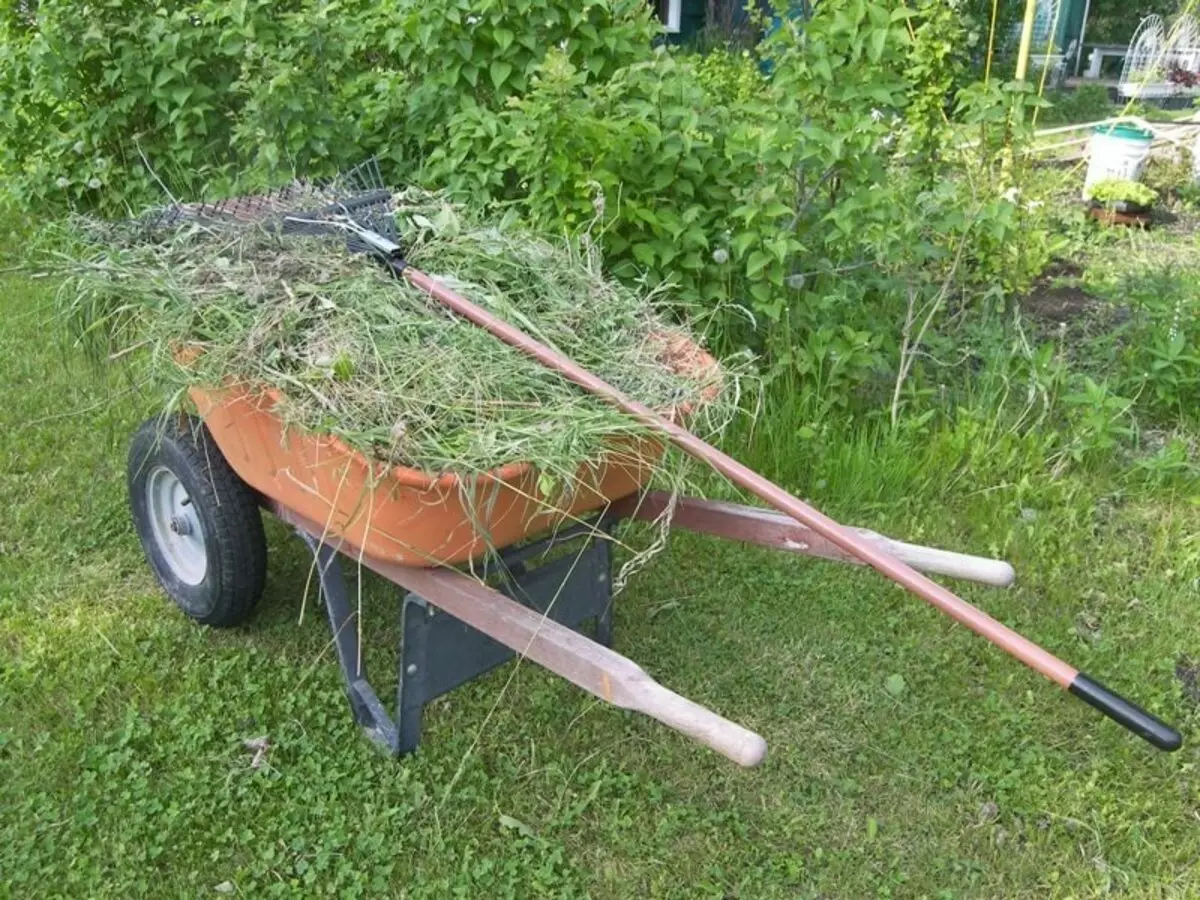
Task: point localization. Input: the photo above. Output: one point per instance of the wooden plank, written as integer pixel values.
(598, 670)
(768, 528)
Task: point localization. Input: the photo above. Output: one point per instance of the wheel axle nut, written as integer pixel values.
(180, 525)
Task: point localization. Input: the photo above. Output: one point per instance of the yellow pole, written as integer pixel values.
(1026, 39)
(987, 68)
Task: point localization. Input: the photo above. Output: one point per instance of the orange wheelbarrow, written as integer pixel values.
(197, 486)
(196, 491)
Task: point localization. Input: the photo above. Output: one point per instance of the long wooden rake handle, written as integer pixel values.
(1077, 683)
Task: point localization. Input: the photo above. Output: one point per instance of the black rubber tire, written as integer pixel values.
(234, 543)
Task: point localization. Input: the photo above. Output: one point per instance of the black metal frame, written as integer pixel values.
(439, 652)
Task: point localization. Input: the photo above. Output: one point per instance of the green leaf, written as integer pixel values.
(644, 253)
(547, 486)
(878, 41)
(895, 685)
(665, 251)
(508, 823)
(503, 38)
(661, 179)
(500, 70)
(765, 302)
(343, 368)
(757, 262)
(742, 242)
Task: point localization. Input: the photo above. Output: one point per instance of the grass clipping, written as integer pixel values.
(357, 354)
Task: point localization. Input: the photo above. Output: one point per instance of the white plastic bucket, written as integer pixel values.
(1117, 151)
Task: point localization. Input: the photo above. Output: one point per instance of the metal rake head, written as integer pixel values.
(355, 205)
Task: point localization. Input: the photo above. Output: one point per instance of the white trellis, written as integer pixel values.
(1044, 48)
(1154, 51)
(1045, 22)
(1184, 41)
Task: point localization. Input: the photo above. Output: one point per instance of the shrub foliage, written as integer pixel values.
(835, 198)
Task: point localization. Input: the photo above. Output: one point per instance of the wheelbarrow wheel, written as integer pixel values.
(198, 522)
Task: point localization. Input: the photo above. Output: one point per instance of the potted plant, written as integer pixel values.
(1121, 196)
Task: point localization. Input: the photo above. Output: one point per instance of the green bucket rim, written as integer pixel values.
(1125, 132)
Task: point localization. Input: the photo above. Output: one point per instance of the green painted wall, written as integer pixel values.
(691, 19)
(693, 14)
(1070, 18)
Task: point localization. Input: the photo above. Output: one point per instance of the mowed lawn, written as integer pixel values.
(908, 758)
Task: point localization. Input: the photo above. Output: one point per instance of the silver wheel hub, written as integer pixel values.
(176, 525)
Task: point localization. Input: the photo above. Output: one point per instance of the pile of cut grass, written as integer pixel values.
(360, 355)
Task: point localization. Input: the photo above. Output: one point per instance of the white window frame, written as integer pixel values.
(674, 16)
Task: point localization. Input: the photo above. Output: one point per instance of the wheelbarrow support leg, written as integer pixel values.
(535, 635)
(596, 669)
(368, 711)
(438, 651)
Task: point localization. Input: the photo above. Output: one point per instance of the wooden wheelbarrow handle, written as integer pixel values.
(768, 528)
(598, 670)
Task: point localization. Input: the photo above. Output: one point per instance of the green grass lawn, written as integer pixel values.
(123, 772)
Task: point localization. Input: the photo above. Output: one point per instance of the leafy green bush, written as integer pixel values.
(808, 213)
(697, 171)
(644, 155)
(935, 64)
(1158, 358)
(826, 217)
(317, 88)
(1171, 176)
(729, 78)
(88, 86)
(464, 54)
(208, 91)
(1086, 103)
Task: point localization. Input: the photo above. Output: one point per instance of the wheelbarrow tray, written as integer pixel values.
(403, 515)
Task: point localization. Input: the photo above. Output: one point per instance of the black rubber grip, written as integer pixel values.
(1127, 714)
